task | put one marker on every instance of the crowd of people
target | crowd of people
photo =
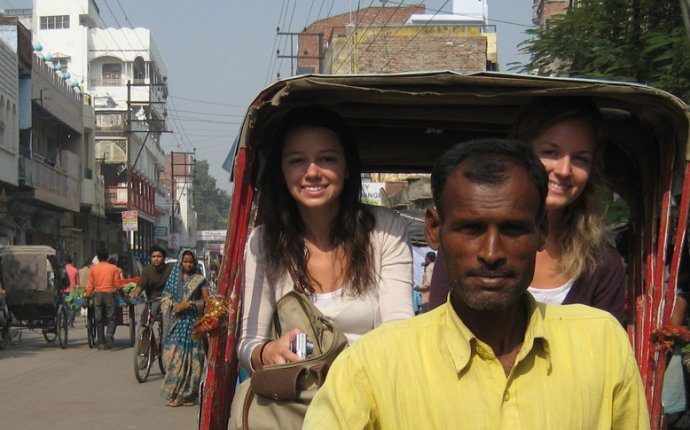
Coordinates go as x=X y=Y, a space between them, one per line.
x=178 y=294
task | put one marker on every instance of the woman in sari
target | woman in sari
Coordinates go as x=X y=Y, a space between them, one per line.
x=182 y=304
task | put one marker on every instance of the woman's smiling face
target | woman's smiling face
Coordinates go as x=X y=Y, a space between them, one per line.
x=314 y=168
x=567 y=151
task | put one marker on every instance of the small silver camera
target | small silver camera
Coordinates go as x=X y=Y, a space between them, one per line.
x=301 y=346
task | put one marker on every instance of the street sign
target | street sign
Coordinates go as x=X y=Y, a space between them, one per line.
x=211 y=235
x=160 y=231
x=130 y=221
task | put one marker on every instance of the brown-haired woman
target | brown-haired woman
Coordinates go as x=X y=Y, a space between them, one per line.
x=353 y=260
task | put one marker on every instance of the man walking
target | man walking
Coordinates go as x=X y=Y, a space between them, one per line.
x=103 y=284
x=491 y=357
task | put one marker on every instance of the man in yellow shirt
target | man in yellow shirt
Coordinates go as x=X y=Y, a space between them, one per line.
x=491 y=357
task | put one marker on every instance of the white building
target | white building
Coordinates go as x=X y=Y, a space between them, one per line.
x=124 y=73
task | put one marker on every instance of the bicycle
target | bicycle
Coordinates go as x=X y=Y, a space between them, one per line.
x=147 y=347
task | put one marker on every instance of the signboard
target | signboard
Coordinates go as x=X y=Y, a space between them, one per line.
x=174 y=241
x=371 y=193
x=160 y=231
x=130 y=221
x=211 y=235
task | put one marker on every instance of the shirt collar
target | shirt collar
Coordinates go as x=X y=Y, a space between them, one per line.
x=460 y=340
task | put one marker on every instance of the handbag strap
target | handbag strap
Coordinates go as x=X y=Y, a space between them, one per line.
x=245 y=408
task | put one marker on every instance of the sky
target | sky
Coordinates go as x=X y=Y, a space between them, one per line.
x=221 y=53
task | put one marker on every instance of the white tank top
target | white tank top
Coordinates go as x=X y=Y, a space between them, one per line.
x=552 y=296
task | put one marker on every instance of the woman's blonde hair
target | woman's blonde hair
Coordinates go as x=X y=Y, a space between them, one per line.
x=583 y=234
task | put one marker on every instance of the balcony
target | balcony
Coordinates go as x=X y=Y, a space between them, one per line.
x=50 y=185
x=115 y=197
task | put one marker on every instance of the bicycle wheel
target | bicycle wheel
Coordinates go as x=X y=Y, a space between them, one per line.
x=61 y=324
x=159 y=347
x=143 y=355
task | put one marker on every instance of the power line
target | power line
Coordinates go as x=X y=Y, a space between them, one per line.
x=206 y=102
x=415 y=36
x=206 y=113
x=273 y=58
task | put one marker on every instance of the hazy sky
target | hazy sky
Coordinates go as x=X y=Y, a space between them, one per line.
x=221 y=53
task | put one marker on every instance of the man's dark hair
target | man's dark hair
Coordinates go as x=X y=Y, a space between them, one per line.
x=102 y=254
x=68 y=259
x=431 y=255
x=488 y=163
x=158 y=248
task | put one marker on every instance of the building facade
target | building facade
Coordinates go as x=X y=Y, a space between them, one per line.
x=125 y=75
x=399 y=39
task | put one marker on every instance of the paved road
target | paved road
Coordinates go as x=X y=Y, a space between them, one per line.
x=45 y=387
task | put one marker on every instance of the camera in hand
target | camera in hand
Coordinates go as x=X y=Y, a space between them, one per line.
x=301 y=345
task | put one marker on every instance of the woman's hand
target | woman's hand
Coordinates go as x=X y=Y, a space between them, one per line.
x=278 y=351
x=181 y=306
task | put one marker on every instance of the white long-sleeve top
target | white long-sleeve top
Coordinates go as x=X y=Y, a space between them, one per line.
x=389 y=300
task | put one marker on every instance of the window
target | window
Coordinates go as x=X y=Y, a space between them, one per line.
x=112 y=74
x=54 y=22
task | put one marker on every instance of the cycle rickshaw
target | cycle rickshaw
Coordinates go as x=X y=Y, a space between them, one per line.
x=34 y=292
x=403 y=122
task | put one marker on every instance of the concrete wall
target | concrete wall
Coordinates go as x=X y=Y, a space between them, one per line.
x=332 y=26
x=9 y=114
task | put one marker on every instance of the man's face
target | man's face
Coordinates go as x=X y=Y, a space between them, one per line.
x=490 y=235
x=157 y=258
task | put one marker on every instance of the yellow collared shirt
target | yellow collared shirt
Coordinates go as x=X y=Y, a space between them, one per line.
x=575 y=370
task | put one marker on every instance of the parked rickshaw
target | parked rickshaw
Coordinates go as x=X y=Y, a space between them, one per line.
x=34 y=292
x=403 y=122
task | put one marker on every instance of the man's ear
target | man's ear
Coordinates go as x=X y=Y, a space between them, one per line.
x=432 y=228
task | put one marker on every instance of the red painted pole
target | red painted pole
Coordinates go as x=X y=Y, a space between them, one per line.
x=221 y=374
x=656 y=412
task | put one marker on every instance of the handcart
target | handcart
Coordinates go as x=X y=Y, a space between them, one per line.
x=34 y=292
x=124 y=315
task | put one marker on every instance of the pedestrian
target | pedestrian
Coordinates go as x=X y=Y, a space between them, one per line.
x=429 y=262
x=152 y=280
x=491 y=354
x=84 y=274
x=104 y=281
x=73 y=277
x=182 y=304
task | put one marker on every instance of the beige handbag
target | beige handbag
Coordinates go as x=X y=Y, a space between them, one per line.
x=277 y=396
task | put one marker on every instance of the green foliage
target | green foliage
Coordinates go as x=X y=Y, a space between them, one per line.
x=627 y=40
x=211 y=203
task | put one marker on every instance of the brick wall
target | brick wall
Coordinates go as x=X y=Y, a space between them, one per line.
x=409 y=48
x=545 y=9
x=329 y=27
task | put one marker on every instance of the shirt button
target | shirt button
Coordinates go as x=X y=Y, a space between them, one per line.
x=506 y=397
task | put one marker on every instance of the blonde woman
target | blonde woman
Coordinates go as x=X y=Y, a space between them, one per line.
x=576 y=265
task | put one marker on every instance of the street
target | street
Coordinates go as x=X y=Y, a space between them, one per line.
x=43 y=386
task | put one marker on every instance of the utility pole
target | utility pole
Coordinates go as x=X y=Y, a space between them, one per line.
x=293 y=56
x=187 y=174
x=130 y=166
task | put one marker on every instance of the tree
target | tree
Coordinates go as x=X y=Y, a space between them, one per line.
x=630 y=40
x=211 y=203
